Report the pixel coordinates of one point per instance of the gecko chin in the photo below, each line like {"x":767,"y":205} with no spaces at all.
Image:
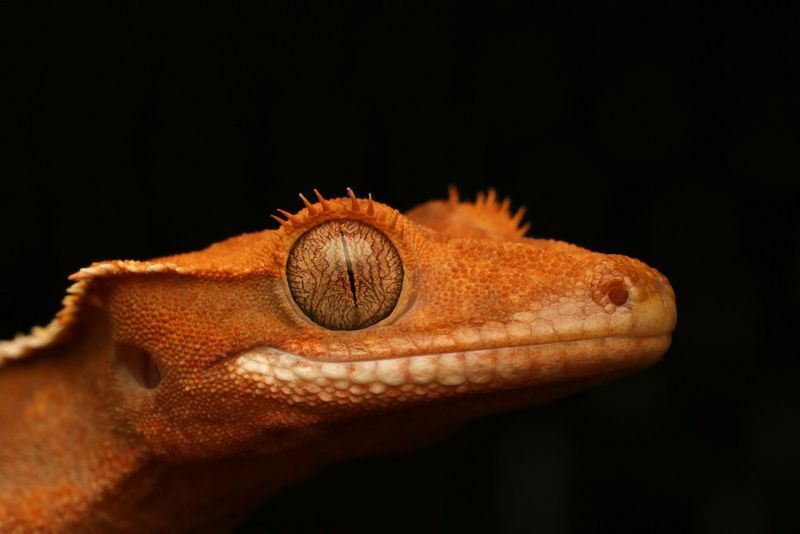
{"x":295,"y":379}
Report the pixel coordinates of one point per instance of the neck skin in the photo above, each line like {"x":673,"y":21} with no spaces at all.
{"x":59,"y":453}
{"x":68,"y":463}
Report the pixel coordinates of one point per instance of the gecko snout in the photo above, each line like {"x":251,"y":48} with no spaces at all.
{"x":619,"y":281}
{"x":644,"y":292}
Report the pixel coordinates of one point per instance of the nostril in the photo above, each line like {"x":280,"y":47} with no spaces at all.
{"x":618,"y":294}
{"x":140,"y":364}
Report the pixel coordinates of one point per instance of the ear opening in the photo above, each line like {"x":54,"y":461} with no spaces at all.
{"x":140,"y":364}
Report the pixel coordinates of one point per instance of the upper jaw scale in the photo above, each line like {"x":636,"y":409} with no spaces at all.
{"x":296,"y":379}
{"x":556,"y":323}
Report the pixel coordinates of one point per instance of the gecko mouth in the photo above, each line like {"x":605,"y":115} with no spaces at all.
{"x":298,"y":379}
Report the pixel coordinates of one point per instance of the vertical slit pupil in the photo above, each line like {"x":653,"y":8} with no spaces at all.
{"x":350,"y":274}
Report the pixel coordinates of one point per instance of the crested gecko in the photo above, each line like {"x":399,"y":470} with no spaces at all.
{"x":177,"y":393}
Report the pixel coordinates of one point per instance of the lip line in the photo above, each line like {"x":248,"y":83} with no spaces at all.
{"x":527,"y":345}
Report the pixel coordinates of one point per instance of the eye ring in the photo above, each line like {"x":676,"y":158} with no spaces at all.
{"x":345,"y":274}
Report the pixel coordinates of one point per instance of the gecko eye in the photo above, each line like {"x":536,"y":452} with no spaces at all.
{"x":345,"y":275}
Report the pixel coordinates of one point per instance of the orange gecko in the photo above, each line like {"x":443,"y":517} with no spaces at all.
{"x":178,"y":393}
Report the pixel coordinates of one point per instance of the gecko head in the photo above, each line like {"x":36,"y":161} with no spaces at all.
{"x":351,"y":311}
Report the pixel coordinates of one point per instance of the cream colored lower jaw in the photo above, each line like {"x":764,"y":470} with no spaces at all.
{"x":299,"y":379}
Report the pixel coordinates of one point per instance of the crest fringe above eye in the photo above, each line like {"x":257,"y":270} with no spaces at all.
{"x":322,"y":201}
{"x":363,"y":209}
{"x":353,"y":199}
{"x":452,"y":194}
{"x":308,"y":204}
{"x":282,"y":222}
{"x":289,"y":216}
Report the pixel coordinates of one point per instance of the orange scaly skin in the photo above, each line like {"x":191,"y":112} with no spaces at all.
{"x":253,"y":395}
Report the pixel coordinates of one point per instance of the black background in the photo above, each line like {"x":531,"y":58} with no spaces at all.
{"x":662,"y":133}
